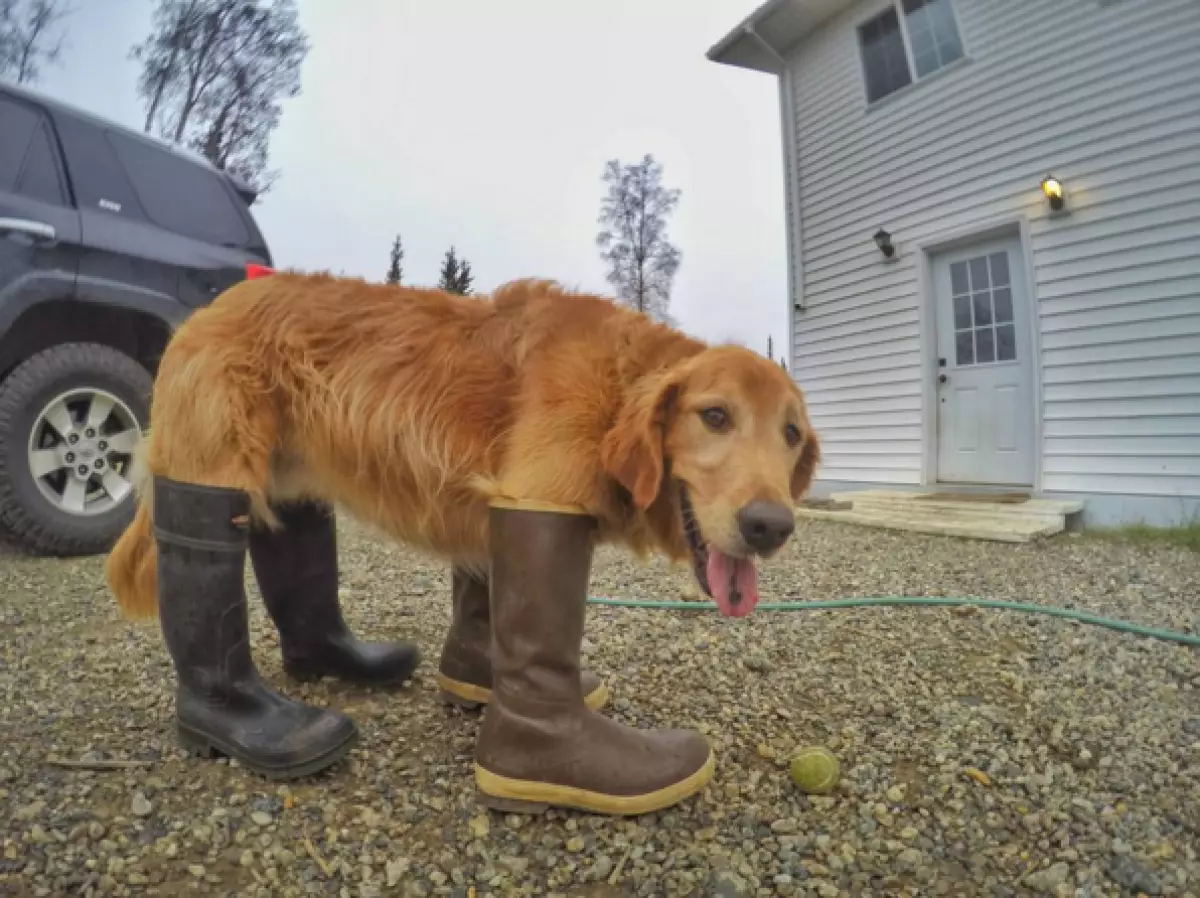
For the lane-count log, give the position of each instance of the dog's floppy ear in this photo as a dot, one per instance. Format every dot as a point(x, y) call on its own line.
point(632, 451)
point(806, 466)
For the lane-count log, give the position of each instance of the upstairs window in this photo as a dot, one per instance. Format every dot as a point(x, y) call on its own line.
point(906, 42)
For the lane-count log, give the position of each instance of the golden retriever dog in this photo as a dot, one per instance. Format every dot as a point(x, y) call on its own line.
point(413, 408)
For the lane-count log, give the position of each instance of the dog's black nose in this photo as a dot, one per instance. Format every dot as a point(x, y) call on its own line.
point(765, 525)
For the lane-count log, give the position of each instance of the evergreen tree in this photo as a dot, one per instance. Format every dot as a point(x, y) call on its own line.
point(395, 270)
point(465, 279)
point(456, 274)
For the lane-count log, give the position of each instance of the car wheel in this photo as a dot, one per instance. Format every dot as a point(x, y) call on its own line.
point(70, 418)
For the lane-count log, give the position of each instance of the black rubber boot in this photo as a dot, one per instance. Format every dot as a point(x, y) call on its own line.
point(297, 572)
point(222, 705)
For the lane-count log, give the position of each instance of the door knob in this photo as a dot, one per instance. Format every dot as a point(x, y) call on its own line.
point(942, 378)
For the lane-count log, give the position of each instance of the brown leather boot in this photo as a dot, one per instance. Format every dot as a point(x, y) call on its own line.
point(465, 671)
point(539, 744)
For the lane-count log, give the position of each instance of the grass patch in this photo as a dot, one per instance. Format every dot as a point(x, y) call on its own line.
point(1186, 536)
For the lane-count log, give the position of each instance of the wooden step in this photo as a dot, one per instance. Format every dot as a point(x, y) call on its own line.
point(973, 518)
point(926, 502)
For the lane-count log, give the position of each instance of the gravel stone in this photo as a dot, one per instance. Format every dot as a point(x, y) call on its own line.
point(141, 805)
point(985, 753)
point(1135, 876)
point(1050, 879)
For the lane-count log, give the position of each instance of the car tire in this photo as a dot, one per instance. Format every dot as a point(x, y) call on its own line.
point(69, 385)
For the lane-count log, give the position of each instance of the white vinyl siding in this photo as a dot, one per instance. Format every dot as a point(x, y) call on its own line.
point(1104, 97)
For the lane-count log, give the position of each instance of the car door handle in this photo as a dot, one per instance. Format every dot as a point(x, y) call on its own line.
point(43, 234)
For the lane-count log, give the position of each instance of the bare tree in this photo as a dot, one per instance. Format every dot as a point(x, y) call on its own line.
point(27, 39)
point(633, 241)
point(214, 73)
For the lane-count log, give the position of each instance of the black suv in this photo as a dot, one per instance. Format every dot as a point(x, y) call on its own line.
point(108, 239)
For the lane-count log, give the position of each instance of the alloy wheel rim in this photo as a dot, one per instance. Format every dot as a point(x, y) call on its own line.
point(81, 451)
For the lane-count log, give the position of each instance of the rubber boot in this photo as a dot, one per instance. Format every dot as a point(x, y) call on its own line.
point(539, 745)
point(222, 705)
point(465, 669)
point(297, 572)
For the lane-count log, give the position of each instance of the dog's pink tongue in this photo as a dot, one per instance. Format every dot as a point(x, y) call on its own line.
point(734, 583)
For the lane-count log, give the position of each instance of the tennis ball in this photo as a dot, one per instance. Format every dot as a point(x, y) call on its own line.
point(815, 769)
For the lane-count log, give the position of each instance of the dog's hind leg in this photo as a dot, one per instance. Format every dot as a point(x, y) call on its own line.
point(215, 431)
point(214, 424)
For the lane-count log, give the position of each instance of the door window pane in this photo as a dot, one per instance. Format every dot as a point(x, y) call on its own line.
point(1006, 343)
point(983, 318)
point(984, 346)
point(962, 312)
point(1002, 299)
point(983, 309)
point(964, 350)
point(999, 268)
point(979, 273)
point(958, 278)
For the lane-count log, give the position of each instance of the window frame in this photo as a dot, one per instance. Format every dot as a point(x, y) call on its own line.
point(915, 79)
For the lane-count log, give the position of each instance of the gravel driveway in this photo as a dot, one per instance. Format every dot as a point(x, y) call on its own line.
point(983, 754)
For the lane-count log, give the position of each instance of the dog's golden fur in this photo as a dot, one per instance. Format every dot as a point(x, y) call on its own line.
point(413, 408)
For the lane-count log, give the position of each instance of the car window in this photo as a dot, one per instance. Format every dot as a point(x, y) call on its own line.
point(17, 124)
point(180, 196)
point(39, 177)
point(96, 174)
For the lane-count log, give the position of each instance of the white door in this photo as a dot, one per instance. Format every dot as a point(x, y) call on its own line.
point(985, 406)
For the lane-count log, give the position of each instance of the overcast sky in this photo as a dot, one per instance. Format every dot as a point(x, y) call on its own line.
point(487, 125)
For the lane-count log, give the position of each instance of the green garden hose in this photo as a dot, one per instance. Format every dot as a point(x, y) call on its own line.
point(1081, 616)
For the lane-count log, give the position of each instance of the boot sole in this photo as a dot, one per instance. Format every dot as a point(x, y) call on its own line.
point(202, 746)
point(304, 676)
point(315, 674)
point(515, 796)
point(470, 696)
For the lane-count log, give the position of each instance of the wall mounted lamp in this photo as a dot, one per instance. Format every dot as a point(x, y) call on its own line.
point(1055, 195)
point(884, 241)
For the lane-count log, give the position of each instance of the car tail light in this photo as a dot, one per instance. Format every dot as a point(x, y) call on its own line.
point(257, 271)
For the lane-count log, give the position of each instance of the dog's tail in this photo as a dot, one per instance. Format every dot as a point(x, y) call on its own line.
point(132, 566)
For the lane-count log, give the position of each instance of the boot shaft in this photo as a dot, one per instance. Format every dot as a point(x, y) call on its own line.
point(201, 534)
point(541, 564)
point(297, 571)
point(539, 743)
point(203, 518)
point(466, 653)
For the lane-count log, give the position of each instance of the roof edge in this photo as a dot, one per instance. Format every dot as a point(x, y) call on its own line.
point(720, 51)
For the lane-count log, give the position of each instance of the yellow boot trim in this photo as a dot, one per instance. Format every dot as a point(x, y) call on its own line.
point(467, 692)
point(597, 698)
point(536, 793)
point(481, 695)
point(537, 505)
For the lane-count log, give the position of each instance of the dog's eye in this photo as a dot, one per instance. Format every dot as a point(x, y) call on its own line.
point(792, 434)
point(716, 418)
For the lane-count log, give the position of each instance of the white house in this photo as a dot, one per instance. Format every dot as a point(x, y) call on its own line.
point(1002, 344)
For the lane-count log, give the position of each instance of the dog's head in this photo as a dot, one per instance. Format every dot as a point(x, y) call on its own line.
point(716, 451)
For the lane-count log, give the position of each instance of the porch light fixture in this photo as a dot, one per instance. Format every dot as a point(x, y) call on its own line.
point(884, 241)
point(1054, 192)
